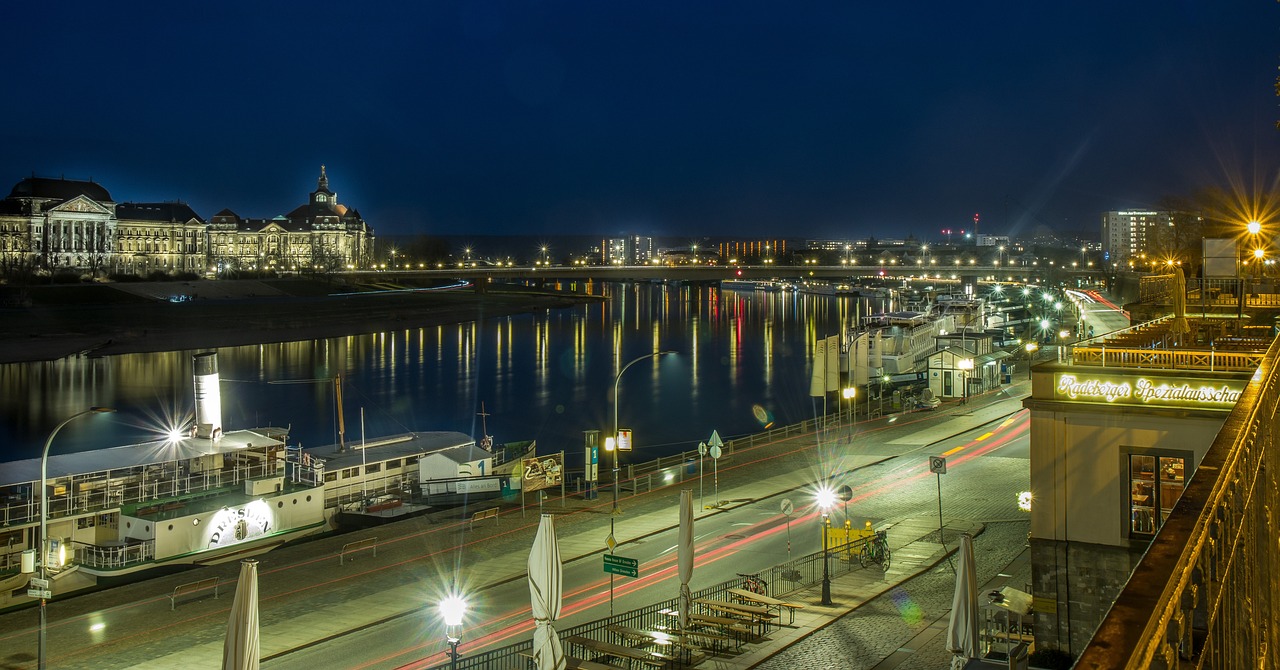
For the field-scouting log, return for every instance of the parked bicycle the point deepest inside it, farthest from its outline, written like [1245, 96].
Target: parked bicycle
[876, 550]
[754, 584]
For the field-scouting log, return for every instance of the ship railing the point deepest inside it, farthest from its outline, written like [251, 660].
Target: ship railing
[109, 558]
[340, 494]
[81, 495]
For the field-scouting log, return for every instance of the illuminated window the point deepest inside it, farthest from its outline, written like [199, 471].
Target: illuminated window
[1155, 484]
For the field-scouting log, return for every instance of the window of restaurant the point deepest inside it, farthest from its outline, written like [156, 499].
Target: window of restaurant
[1156, 481]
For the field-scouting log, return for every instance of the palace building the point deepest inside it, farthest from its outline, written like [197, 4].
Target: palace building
[69, 225]
[321, 235]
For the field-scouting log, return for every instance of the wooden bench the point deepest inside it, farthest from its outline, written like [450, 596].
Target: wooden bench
[746, 596]
[652, 658]
[491, 513]
[193, 587]
[358, 545]
[571, 663]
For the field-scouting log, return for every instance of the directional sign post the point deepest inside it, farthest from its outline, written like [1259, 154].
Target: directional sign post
[716, 444]
[620, 565]
[938, 466]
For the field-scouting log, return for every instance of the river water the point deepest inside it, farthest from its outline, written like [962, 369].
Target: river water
[742, 361]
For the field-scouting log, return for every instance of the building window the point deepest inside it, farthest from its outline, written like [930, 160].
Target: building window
[372, 468]
[1155, 484]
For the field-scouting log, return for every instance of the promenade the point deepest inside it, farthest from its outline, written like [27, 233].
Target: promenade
[879, 620]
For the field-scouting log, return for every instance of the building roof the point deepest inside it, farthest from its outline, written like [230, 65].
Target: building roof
[466, 453]
[156, 211]
[135, 455]
[59, 189]
[387, 448]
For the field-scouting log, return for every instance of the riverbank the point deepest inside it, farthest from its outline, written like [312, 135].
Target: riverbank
[108, 319]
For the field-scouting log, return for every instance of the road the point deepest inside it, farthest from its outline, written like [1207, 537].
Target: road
[991, 459]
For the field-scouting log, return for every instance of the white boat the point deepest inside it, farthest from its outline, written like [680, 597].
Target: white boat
[750, 285]
[897, 343]
[211, 496]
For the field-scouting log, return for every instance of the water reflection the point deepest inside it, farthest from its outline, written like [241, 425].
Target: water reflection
[546, 376]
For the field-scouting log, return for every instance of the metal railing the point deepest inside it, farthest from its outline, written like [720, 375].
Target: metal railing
[93, 493]
[96, 556]
[1207, 592]
[783, 579]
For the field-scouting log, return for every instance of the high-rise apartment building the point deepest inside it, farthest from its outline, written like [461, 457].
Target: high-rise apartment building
[1131, 233]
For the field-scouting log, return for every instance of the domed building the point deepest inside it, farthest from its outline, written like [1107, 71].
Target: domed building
[320, 235]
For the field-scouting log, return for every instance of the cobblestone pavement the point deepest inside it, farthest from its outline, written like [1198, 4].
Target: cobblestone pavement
[868, 636]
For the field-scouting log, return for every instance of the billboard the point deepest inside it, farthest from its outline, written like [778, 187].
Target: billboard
[542, 472]
[1220, 258]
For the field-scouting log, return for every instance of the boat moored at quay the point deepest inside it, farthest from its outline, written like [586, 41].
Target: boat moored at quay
[208, 496]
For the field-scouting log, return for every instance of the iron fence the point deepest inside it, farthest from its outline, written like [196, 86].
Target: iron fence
[789, 577]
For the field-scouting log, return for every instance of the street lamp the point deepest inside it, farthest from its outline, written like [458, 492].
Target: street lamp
[1031, 352]
[616, 380]
[965, 365]
[44, 515]
[849, 393]
[825, 499]
[451, 610]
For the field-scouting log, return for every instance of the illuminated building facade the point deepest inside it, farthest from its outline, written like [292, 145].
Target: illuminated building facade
[1127, 235]
[73, 225]
[320, 235]
[1116, 433]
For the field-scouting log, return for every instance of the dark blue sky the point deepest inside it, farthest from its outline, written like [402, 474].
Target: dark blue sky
[838, 119]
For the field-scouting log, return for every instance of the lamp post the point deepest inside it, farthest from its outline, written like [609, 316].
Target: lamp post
[44, 516]
[611, 444]
[616, 380]
[451, 610]
[965, 365]
[1031, 352]
[825, 499]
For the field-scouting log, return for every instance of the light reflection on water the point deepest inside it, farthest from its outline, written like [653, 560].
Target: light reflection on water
[546, 376]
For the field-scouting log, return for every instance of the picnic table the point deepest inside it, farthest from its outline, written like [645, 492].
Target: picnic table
[660, 638]
[746, 596]
[630, 654]
[753, 613]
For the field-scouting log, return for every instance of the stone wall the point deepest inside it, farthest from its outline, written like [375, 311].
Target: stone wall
[1074, 584]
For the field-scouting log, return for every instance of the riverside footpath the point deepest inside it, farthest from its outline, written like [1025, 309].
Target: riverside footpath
[879, 620]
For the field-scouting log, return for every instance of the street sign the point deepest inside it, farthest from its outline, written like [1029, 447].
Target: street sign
[787, 506]
[610, 542]
[37, 583]
[39, 593]
[715, 440]
[845, 493]
[938, 465]
[715, 452]
[702, 448]
[620, 565]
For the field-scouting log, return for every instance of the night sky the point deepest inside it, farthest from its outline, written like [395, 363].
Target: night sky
[825, 120]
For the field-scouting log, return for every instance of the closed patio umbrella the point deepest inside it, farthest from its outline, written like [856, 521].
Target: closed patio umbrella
[962, 629]
[240, 650]
[684, 556]
[545, 591]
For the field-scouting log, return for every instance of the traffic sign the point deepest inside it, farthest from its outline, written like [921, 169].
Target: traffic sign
[610, 542]
[621, 565]
[37, 583]
[702, 448]
[787, 506]
[938, 465]
[39, 593]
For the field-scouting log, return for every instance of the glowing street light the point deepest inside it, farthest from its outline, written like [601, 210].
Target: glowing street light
[451, 610]
[825, 497]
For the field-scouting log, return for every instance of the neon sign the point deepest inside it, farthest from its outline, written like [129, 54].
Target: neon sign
[1163, 391]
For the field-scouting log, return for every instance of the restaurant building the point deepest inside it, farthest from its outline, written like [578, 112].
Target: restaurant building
[1118, 426]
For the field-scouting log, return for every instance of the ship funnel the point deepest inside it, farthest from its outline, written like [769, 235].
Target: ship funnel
[204, 368]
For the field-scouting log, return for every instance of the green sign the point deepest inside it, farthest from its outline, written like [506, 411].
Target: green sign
[620, 565]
